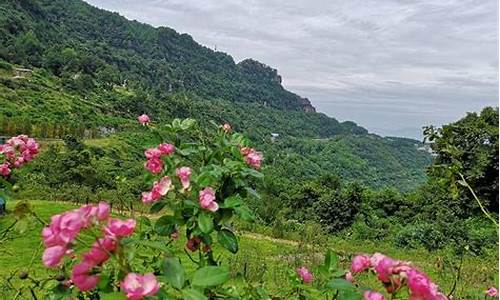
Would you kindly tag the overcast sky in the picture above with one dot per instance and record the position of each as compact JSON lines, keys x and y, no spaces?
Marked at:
{"x":392,"y":66}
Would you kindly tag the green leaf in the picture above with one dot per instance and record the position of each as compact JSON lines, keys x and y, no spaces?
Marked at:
{"x":340,"y":284}
{"x":165,"y":225}
{"x":252,"y":172}
{"x":192,"y":294}
{"x":331,"y":262}
{"x":228,"y":240}
{"x":187,"y":123}
{"x":338,"y":273}
{"x":205,"y":179}
{"x":174,"y":272}
{"x":157,"y":206}
{"x":157,"y":245}
{"x":244,"y":213}
{"x":210,"y":276}
{"x":252,"y":192}
{"x":350,"y":295}
{"x":113,"y":296}
{"x":232,"y":202}
{"x":186,"y":151}
{"x":205,"y":222}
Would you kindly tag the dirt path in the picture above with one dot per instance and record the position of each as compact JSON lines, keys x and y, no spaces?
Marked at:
{"x":258,"y":236}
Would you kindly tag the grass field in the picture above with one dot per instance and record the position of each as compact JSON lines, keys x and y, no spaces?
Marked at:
{"x":261,"y":258}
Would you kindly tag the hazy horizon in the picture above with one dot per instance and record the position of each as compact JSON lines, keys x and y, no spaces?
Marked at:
{"x":390,"y":66}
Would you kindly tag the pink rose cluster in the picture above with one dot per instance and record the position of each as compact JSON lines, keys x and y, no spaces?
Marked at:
{"x":60,"y":236}
{"x":252,"y":157}
{"x":305,"y":275}
{"x":143,"y":119}
{"x":395,"y":274}
{"x":17,"y":151}
{"x":153,"y":155}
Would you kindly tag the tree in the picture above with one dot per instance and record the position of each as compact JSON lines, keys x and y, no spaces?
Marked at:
{"x":28,"y":49}
{"x":468,"y":147}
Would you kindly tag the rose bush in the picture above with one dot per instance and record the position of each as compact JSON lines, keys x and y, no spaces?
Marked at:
{"x":199,"y":179}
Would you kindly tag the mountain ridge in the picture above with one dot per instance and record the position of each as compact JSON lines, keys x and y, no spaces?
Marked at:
{"x":93,"y":70}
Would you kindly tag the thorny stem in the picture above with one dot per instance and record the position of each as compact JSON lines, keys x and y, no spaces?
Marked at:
{"x":191,"y":258}
{"x":459,"y":269}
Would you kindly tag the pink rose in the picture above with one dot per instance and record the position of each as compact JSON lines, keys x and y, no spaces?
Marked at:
{"x":26,"y":155}
{"x":492,"y":292}
{"x":102,"y":211}
{"x":360,"y":263}
{"x":8,"y":151}
{"x":384,"y":269}
{"x":154,"y":165}
{"x":421,"y":287}
{"x":148,"y":197}
{"x":100,"y":250}
{"x":4,"y":169}
{"x":227,"y":128}
{"x":376,"y":258}
{"x":245,"y":151}
{"x":160,"y":188}
{"x":143,"y":119}
{"x":32,"y":146}
{"x":349,"y":277}
{"x":152,"y":153}
{"x":163,"y":186}
{"x":83,"y":277}
{"x":304,"y":273}
{"x":51,"y":234}
{"x":372,"y":295}
{"x":254,"y":159}
{"x":18,"y":162}
{"x":96,"y":255}
{"x":184,"y":173}
{"x":166,"y":149}
{"x":120,"y":228}
{"x":207,"y":199}
{"x":137,"y":286}
{"x":70,"y":225}
{"x":52,"y":256}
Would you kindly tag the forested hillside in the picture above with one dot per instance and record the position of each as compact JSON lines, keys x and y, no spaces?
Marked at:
{"x":67,"y":37}
{"x":63,"y":74}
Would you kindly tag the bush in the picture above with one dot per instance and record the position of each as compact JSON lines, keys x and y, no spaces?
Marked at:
{"x":420,"y":234}
{"x":5,"y":65}
{"x":375,"y":229}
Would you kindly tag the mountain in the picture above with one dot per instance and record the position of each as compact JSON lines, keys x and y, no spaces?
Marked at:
{"x":67,"y":67}
{"x":159,"y":58}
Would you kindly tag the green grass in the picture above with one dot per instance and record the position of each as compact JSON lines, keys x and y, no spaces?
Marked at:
{"x":260,"y":259}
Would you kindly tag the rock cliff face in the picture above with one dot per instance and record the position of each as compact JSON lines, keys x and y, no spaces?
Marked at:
{"x":306,"y":105}
{"x":265,"y":76}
